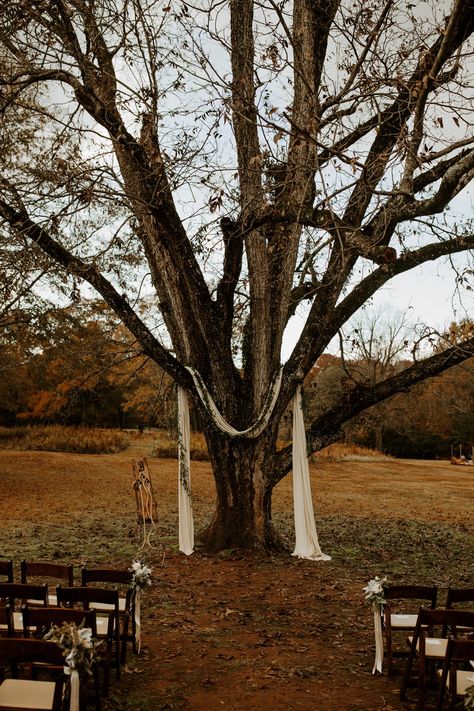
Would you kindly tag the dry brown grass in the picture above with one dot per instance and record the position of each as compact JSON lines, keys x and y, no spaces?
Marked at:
{"x":86,"y":440}
{"x":346,"y":452}
{"x":56,"y":438}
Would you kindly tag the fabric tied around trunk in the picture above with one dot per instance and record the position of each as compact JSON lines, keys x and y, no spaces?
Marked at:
{"x":306,"y":537}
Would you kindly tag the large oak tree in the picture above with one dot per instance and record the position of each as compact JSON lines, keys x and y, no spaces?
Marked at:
{"x":247,"y":159}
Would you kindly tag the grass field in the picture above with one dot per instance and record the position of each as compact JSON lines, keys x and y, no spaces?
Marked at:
{"x":240,"y":630}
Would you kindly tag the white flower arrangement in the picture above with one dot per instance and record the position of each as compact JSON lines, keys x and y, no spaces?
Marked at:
{"x":374,"y":591}
{"x":141,"y":575}
{"x":469,"y":698}
{"x":78,"y":645}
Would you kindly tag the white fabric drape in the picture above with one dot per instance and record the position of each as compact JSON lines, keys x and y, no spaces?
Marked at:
{"x":377,"y":608}
{"x":74,"y":686}
{"x":186,"y":525}
{"x":306,"y":537}
{"x":138,"y":623}
{"x":260,"y":423}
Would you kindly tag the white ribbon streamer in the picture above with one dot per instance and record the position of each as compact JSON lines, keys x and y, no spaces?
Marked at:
{"x":306,"y":537}
{"x":186,"y":524}
{"x":377,"y":608}
{"x":74,"y":686}
{"x":261,"y":422}
{"x":138,"y":636}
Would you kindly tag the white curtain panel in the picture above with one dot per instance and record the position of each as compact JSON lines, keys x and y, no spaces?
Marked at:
{"x":306,"y":537}
{"x":186,"y":524}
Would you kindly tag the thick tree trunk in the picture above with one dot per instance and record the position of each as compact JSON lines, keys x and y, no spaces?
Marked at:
{"x":242,"y":518}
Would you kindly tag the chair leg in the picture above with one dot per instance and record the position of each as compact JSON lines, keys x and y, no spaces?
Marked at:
{"x":406,"y":672}
{"x":388,"y":639}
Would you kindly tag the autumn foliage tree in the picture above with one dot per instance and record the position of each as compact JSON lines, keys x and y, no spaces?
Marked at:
{"x":243,"y":160}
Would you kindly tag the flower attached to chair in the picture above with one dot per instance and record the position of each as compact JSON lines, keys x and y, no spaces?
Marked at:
{"x":374,"y":591}
{"x":469,"y":698}
{"x":141,"y":575}
{"x":78,"y":645}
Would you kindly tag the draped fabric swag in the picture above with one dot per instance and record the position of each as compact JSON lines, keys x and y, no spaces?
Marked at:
{"x":306,"y":537}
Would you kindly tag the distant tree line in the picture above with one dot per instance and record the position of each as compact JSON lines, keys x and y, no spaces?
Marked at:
{"x":79,"y":366}
{"x":424,"y":422}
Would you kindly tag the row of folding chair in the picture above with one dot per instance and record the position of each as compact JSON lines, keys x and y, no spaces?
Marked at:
{"x":437,"y":639}
{"x":399,"y":617}
{"x":28,"y":608}
{"x":443,"y":641}
{"x":65,"y":573}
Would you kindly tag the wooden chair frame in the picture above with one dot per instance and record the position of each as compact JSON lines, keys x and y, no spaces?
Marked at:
{"x":58,"y":572}
{"x":39,"y":620}
{"x":22,"y":592}
{"x":427,"y":620}
{"x":86,"y":597}
{"x":6,"y":570}
{"x":17,"y":650}
{"x":6,"y":620}
{"x":459,"y":652}
{"x":426,"y":593}
{"x":122,"y":578}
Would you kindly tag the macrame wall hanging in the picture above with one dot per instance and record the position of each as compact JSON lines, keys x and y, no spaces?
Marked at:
{"x":306,"y":537}
{"x":147,"y":515}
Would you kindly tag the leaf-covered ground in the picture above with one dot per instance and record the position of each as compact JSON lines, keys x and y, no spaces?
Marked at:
{"x":241,"y":631}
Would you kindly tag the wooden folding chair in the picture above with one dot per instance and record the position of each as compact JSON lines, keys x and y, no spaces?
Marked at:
{"x":28,"y":694}
{"x":19,"y":593}
{"x":6,"y":570}
{"x":122,"y":578}
{"x":400,"y":617}
{"x":53,"y":571}
{"x":460,"y":652}
{"x":427,"y":647}
{"x":37,"y":621}
{"x":6,"y":621}
{"x":460,"y":595}
{"x":86,"y":597}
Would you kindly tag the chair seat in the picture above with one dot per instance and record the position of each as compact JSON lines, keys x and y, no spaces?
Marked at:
{"x":25,"y":694}
{"x":102,"y":623}
{"x":464,"y":679}
{"x":403,"y":622}
{"x":435,"y":647}
{"x":104,"y":606}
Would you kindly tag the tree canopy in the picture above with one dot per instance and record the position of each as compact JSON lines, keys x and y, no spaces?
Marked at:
{"x":243,"y":159}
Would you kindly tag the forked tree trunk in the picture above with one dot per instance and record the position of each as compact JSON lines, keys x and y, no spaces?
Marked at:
{"x":242,"y":518}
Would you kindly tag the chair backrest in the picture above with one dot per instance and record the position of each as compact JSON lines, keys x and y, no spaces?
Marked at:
{"x":119,"y":576}
{"x":6,"y":570}
{"x":6,"y":619}
{"x":58,"y":571}
{"x":112,"y":576}
{"x":38,"y":620}
{"x":85,"y":595}
{"x":427,"y":593}
{"x":18,"y":650}
{"x":443,"y":618}
{"x":459,"y":595}
{"x":24,"y":592}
